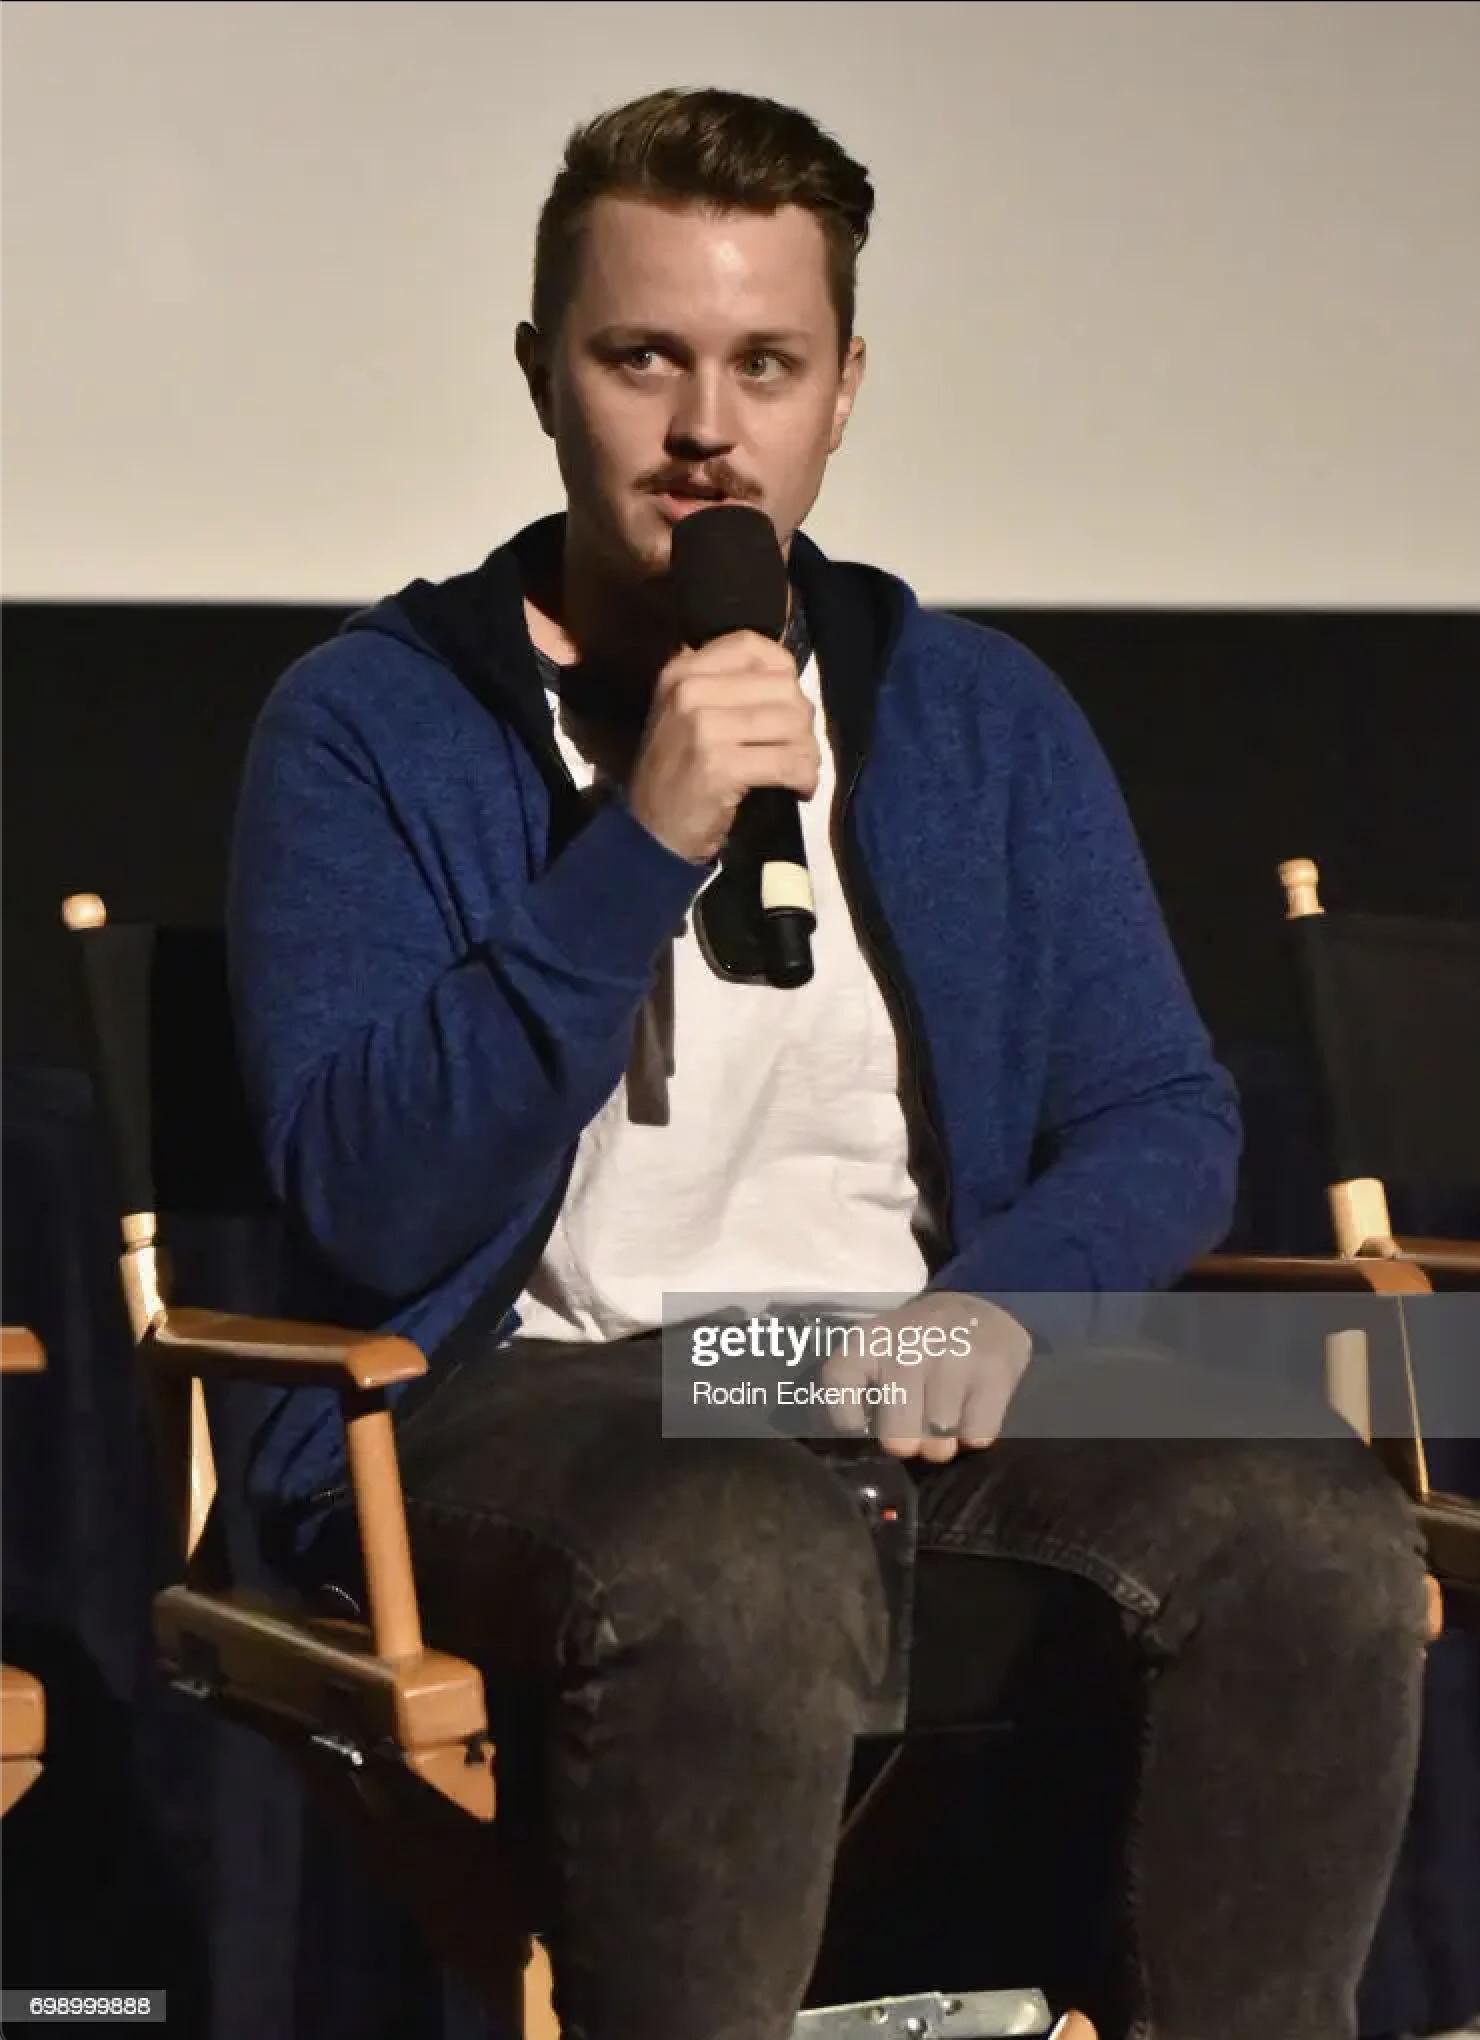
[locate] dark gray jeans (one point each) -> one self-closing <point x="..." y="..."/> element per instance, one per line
<point x="1212" y="1647"/>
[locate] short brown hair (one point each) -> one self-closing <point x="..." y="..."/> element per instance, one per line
<point x="713" y="149"/>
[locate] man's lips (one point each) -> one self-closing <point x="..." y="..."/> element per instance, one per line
<point x="678" y="504"/>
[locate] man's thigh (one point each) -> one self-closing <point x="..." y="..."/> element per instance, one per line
<point x="1144" y="1477"/>
<point x="544" y="1504"/>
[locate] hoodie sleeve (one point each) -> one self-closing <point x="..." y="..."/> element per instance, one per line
<point x="409" y="1094"/>
<point x="1138" y="1131"/>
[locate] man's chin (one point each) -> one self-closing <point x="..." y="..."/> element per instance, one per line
<point x="650" y="547"/>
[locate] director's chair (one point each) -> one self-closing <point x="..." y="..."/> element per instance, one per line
<point x="1391" y="1006"/>
<point x="383" y="1728"/>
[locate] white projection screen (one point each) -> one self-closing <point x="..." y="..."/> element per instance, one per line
<point x="1166" y="304"/>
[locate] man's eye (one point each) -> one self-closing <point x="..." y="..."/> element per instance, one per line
<point x="630" y="355"/>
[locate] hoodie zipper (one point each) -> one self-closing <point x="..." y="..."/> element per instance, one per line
<point x="882" y="952"/>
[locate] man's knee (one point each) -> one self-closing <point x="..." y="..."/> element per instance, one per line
<point x="748" y="1552"/>
<point x="1317" y="1529"/>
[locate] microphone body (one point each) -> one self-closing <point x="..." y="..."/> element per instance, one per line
<point x="728" y="575"/>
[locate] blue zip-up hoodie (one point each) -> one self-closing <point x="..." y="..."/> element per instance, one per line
<point x="438" y="952"/>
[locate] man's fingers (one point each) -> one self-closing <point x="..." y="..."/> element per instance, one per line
<point x="934" y="1402"/>
<point x="901" y="1424"/>
<point x="945" y="1394"/>
<point x="983" y="1410"/>
<point x="848" y="1371"/>
<point x="954" y="1401"/>
<point x="926" y="1421"/>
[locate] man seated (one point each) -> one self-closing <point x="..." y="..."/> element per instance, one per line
<point x="510" y="1095"/>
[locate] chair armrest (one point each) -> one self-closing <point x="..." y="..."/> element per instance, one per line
<point x="22" y="1734"/>
<point x="1318" y="1272"/>
<point x="188" y="1345"/>
<point x="1451" y="1524"/>
<point x="1454" y="1262"/>
<point x="21" y="1352"/>
<point x="22" y="1713"/>
<point x="219" y="1345"/>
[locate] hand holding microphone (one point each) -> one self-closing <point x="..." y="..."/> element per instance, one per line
<point x="730" y="742"/>
<point x="724" y="719"/>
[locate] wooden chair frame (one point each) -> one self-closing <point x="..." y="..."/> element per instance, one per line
<point x="22" y="1698"/>
<point x="381" y="1728"/>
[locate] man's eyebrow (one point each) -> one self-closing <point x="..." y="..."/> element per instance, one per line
<point x="656" y="336"/>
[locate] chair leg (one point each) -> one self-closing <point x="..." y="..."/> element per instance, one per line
<point x="1348" y="1380"/>
<point x="540" y="2022"/>
<point x="446" y="1869"/>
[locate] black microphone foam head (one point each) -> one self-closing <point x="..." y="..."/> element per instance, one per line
<point x="728" y="573"/>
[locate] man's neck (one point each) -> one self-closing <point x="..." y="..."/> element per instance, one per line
<point x="578" y="616"/>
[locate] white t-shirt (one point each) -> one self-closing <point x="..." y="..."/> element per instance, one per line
<point x="757" y="1143"/>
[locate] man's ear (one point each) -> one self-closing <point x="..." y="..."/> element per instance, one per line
<point x="852" y="377"/>
<point x="529" y="351"/>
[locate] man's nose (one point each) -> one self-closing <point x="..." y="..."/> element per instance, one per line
<point x="703" y="417"/>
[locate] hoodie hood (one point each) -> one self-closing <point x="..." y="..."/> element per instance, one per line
<point x="474" y="623"/>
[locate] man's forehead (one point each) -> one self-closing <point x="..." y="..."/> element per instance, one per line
<point x="635" y="248"/>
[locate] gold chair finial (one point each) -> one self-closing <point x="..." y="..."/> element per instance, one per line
<point x="1300" y="878"/>
<point x="82" y="910"/>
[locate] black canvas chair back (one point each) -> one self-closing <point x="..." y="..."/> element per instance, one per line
<point x="188" y="1172"/>
<point x="1395" y="1007"/>
<point x="173" y="1111"/>
<point x="165" y="1064"/>
<point x="1392" y="1005"/>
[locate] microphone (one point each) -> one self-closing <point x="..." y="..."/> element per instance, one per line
<point x="729" y="574"/>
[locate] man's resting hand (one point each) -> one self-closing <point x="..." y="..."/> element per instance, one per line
<point x="957" y="1360"/>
